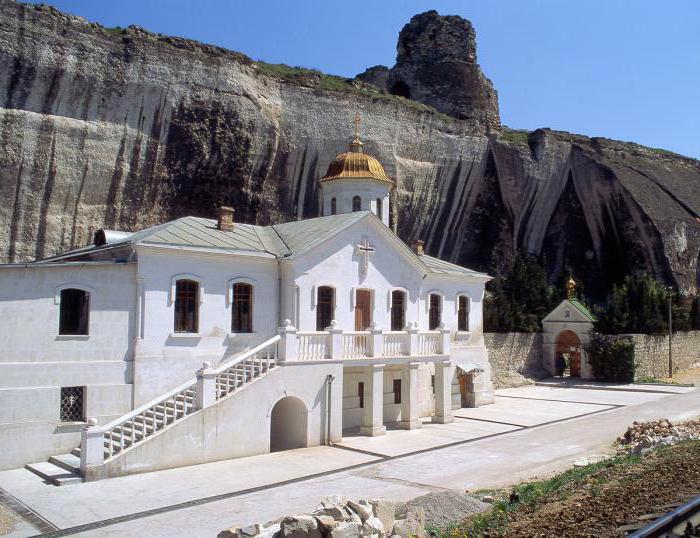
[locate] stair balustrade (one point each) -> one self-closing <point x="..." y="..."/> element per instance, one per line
<point x="102" y="443"/>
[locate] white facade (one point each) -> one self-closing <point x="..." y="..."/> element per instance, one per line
<point x="143" y="380"/>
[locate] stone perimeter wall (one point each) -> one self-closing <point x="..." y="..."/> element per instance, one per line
<point x="651" y="353"/>
<point x="516" y="358"/>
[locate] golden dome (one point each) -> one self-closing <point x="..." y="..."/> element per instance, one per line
<point x="355" y="164"/>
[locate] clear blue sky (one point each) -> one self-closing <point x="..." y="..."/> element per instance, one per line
<point x="624" y="69"/>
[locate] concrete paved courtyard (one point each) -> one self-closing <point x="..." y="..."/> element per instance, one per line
<point x="528" y="432"/>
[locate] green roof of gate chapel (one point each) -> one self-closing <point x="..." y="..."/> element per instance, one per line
<point x="582" y="308"/>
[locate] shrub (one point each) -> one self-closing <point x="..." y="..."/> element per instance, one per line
<point x="612" y="358"/>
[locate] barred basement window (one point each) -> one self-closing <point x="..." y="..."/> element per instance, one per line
<point x="72" y="404"/>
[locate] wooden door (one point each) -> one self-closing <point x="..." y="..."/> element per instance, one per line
<point x="363" y="311"/>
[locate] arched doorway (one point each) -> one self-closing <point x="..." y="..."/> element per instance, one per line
<point x="288" y="423"/>
<point x="569" y="344"/>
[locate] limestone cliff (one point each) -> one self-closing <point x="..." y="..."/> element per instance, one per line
<point x="123" y="129"/>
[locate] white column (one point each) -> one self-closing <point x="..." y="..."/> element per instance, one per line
<point x="444" y="346"/>
<point x="409" y="397"/>
<point x="373" y="413"/>
<point x="287" y="347"/>
<point x="412" y="335"/>
<point x="376" y="341"/>
<point x="335" y="344"/>
<point x="206" y="386"/>
<point x="443" y="393"/>
<point x="92" y="447"/>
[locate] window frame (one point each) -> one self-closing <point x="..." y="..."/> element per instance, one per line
<point x="89" y="290"/>
<point x="468" y="310"/>
<point x="197" y="302"/>
<point x="251" y="314"/>
<point x="441" y="308"/>
<point x="317" y="304"/>
<point x="391" y="307"/>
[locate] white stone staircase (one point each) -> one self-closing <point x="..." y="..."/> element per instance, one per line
<point x="102" y="444"/>
<point x="60" y="470"/>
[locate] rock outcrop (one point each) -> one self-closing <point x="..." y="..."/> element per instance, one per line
<point x="436" y="65"/>
<point x="125" y="128"/>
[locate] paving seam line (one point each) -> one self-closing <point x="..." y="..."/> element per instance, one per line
<point x="222" y="496"/>
<point x="561" y="401"/>
<point x="26" y="514"/>
<point x="614" y="389"/>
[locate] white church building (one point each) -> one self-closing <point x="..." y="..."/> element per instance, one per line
<point x="200" y="340"/>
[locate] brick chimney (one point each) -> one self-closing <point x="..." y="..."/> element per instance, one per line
<point x="225" y="220"/>
<point x="417" y="246"/>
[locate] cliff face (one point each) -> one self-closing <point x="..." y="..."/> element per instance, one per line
<point x="126" y="129"/>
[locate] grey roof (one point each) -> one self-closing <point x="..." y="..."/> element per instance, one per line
<point x="441" y="267"/>
<point x="280" y="240"/>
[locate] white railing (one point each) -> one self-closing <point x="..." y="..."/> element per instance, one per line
<point x="395" y="343"/>
<point x="428" y="342"/>
<point x="245" y="367"/>
<point x="112" y="439"/>
<point x="355" y="344"/>
<point x="312" y="345"/>
<point x="148" y="419"/>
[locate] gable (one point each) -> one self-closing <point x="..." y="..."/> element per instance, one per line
<point x="570" y="311"/>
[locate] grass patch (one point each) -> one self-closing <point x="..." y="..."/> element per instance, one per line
<point x="532" y="495"/>
<point x="515" y="136"/>
<point x="654" y="380"/>
<point x="116" y="30"/>
<point x="314" y="78"/>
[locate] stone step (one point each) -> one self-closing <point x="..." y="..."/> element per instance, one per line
<point x="76" y="451"/>
<point x="53" y="474"/>
<point x="69" y="462"/>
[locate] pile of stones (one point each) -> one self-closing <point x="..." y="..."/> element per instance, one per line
<point x="338" y="517"/>
<point x="642" y="437"/>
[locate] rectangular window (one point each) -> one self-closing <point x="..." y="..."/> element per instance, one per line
<point x="186" y="306"/>
<point x="74" y="312"/>
<point x="72" y="404"/>
<point x="463" y="313"/>
<point x="242" y="315"/>
<point x="398" y="310"/>
<point x="361" y="393"/>
<point x="435" y="315"/>
<point x="432" y="382"/>
<point x="397" y="391"/>
<point x="324" y="307"/>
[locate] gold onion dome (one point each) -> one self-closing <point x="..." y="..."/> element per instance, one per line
<point x="355" y="164"/>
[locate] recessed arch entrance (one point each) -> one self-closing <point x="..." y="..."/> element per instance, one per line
<point x="288" y="424"/>
<point x="569" y="344"/>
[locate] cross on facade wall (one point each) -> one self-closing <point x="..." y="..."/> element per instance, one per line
<point x="365" y="250"/>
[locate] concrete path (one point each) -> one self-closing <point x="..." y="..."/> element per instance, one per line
<point x="529" y="432"/>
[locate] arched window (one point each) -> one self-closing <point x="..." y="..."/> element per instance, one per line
<point x="356" y="203"/>
<point x="242" y="311"/>
<point x="325" y="303"/>
<point x="74" y="313"/>
<point x="435" y="311"/>
<point x="398" y="310"/>
<point x="379" y="208"/>
<point x="334" y="206"/>
<point x="186" y="306"/>
<point x="463" y="313"/>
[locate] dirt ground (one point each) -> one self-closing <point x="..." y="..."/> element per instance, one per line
<point x="613" y="496"/>
<point x="687" y="376"/>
